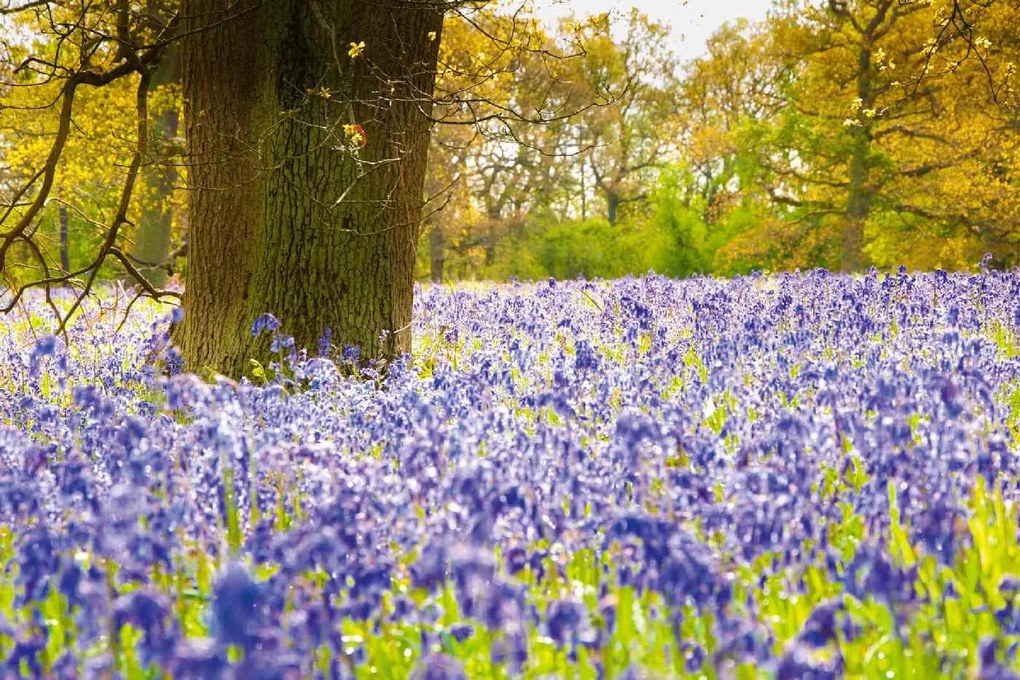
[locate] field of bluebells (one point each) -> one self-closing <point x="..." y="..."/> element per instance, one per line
<point x="794" y="476"/>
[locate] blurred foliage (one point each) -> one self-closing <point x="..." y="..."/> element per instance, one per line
<point x="840" y="135"/>
<point x="90" y="173"/>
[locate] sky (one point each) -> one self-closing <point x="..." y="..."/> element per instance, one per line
<point x="693" y="21"/>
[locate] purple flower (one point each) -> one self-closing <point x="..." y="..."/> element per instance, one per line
<point x="326" y="343"/>
<point x="235" y="606"/>
<point x="438" y="666"/>
<point x="462" y="631"/>
<point x="265" y="323"/>
<point x="820" y="627"/>
<point x="46" y="346"/>
<point x="563" y="618"/>
<point x="281" y="342"/>
<point x="952" y="397"/>
<point x="990" y="666"/>
<point x="199" y="658"/>
<point x="148" y="611"/>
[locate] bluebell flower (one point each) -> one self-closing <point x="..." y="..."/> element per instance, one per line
<point x="820" y="628"/>
<point x="38" y="558"/>
<point x="235" y="606"/>
<point x="27" y="651"/>
<point x="264" y="323"/>
<point x="281" y="342"/>
<point x="462" y="631"/>
<point x="326" y="342"/>
<point x="563" y="617"/>
<point x="437" y="666"/>
<point x="148" y="611"/>
<point x="46" y="346"/>
<point x="952" y="397"/>
<point x="198" y="658"/>
<point x="990" y="667"/>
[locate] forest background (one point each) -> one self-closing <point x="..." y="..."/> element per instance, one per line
<point x="834" y="136"/>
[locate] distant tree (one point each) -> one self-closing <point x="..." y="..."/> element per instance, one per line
<point x="626" y="141"/>
<point x="497" y="107"/>
<point x="739" y="83"/>
<point x="153" y="238"/>
<point x="73" y="153"/>
<point x="588" y="136"/>
<point x="882" y="114"/>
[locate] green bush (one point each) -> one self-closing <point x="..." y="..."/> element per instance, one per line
<point x="591" y="248"/>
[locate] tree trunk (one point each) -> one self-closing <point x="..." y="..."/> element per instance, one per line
<point x="858" y="209"/>
<point x="292" y="213"/>
<point x="584" y="195"/>
<point x="612" y="206"/>
<point x="860" y="193"/>
<point x="152" y="242"/>
<point x="437" y="255"/>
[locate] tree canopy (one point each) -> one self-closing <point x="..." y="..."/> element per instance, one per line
<point x="842" y="135"/>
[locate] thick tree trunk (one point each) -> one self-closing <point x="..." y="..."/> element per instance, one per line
<point x="290" y="212"/>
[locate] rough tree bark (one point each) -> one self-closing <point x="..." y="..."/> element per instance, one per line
<point x="288" y="215"/>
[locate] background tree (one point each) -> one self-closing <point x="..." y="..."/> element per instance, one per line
<point x="56" y="56"/>
<point x="630" y="137"/>
<point x="91" y="169"/>
<point x="709" y="199"/>
<point x="880" y="135"/>
<point x="151" y="249"/>
<point x="496" y="101"/>
<point x="534" y="196"/>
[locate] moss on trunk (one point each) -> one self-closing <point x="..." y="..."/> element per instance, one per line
<point x="292" y="212"/>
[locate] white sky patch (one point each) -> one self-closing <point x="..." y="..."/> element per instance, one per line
<point x="693" y="21"/>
